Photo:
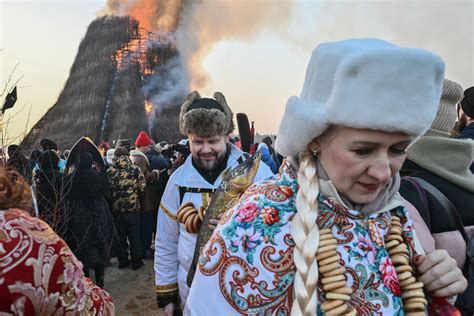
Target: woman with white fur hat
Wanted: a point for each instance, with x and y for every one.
(330, 234)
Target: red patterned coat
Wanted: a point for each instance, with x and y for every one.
(39, 275)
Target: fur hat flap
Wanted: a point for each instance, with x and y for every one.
(389, 89)
(184, 108)
(298, 126)
(204, 116)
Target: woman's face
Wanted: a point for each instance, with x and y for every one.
(360, 162)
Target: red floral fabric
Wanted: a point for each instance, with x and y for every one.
(39, 275)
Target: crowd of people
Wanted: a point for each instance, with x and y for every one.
(364, 206)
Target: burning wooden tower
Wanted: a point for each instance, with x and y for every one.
(103, 97)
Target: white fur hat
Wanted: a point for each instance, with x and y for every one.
(363, 83)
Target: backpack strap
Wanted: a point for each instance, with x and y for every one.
(425, 213)
(445, 203)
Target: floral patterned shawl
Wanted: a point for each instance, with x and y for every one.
(247, 266)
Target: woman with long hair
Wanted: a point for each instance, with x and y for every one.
(331, 235)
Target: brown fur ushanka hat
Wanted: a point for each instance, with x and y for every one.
(205, 117)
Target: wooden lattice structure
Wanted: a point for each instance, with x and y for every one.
(102, 97)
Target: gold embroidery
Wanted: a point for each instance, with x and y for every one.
(167, 288)
(167, 212)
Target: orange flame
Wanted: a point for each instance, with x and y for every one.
(143, 11)
(136, 51)
(148, 107)
(154, 15)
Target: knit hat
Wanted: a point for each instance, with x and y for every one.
(205, 117)
(48, 144)
(143, 140)
(123, 143)
(446, 115)
(467, 103)
(363, 83)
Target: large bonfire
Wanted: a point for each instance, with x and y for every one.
(138, 61)
(122, 81)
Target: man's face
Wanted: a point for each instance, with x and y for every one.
(144, 149)
(208, 152)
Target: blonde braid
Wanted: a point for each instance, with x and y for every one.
(305, 233)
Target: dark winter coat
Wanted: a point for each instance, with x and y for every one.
(128, 183)
(443, 230)
(461, 198)
(468, 132)
(149, 201)
(48, 196)
(159, 162)
(92, 224)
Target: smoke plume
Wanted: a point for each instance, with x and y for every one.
(196, 26)
(443, 27)
(207, 23)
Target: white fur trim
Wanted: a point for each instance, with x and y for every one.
(293, 138)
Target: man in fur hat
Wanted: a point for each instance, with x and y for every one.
(207, 122)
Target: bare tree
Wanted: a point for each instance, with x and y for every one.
(8, 118)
